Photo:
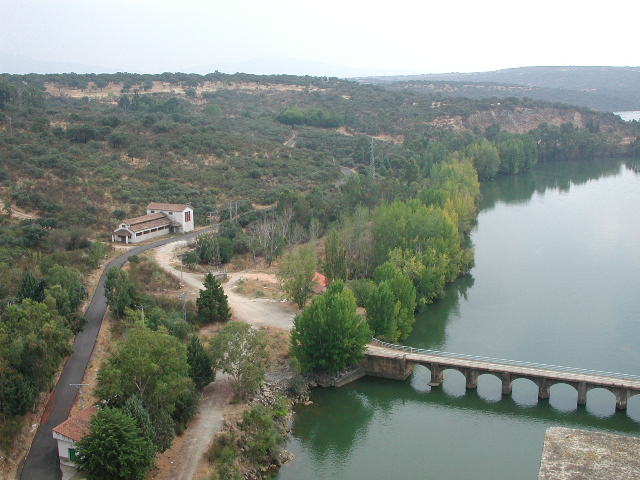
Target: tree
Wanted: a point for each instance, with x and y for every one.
(33, 340)
(119, 291)
(403, 292)
(297, 269)
(382, 312)
(212, 302)
(17, 393)
(329, 334)
(241, 351)
(152, 365)
(31, 288)
(335, 257)
(115, 448)
(70, 281)
(134, 407)
(486, 158)
(200, 368)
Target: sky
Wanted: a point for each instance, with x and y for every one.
(331, 37)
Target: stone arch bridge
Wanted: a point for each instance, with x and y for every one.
(387, 360)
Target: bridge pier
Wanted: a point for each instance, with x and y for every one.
(437, 375)
(543, 389)
(582, 394)
(471, 376)
(622, 395)
(506, 384)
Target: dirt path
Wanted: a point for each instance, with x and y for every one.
(181, 461)
(255, 311)
(291, 141)
(19, 214)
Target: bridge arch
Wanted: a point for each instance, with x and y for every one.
(601, 401)
(524, 390)
(454, 381)
(490, 386)
(563, 396)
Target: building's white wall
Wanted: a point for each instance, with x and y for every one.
(188, 226)
(146, 236)
(64, 444)
(178, 217)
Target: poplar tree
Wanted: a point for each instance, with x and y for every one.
(329, 335)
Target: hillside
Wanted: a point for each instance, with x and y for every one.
(601, 88)
(88, 149)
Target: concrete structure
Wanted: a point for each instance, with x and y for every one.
(69, 432)
(180, 213)
(161, 219)
(397, 362)
(571, 454)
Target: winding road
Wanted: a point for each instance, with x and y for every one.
(42, 460)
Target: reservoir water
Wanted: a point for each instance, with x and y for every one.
(556, 280)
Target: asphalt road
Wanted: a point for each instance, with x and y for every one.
(42, 460)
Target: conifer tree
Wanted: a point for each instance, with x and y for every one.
(32, 288)
(212, 303)
(200, 369)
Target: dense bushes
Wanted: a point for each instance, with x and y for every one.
(313, 117)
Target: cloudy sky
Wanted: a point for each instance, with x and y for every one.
(331, 37)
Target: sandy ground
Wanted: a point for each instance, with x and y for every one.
(255, 311)
(181, 461)
(19, 214)
(185, 459)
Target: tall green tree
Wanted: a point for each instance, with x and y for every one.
(212, 302)
(147, 363)
(69, 280)
(382, 312)
(296, 273)
(134, 407)
(34, 339)
(329, 335)
(115, 449)
(485, 157)
(31, 288)
(240, 351)
(200, 365)
(403, 294)
(335, 257)
(119, 291)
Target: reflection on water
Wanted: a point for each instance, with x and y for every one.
(555, 281)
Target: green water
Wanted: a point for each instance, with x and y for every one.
(556, 281)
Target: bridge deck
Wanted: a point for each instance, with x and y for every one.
(515, 369)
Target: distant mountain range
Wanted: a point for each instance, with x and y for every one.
(606, 89)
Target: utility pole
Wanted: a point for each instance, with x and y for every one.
(184, 305)
(372, 160)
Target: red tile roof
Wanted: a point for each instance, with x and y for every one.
(169, 207)
(320, 279)
(76, 426)
(144, 222)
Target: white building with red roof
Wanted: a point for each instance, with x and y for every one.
(69, 432)
(161, 219)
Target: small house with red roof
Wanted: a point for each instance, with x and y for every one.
(69, 432)
(160, 219)
(320, 283)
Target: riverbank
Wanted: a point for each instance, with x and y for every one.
(553, 283)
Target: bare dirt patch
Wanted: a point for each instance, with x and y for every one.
(259, 286)
(181, 461)
(384, 137)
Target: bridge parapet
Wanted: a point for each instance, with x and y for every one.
(397, 362)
